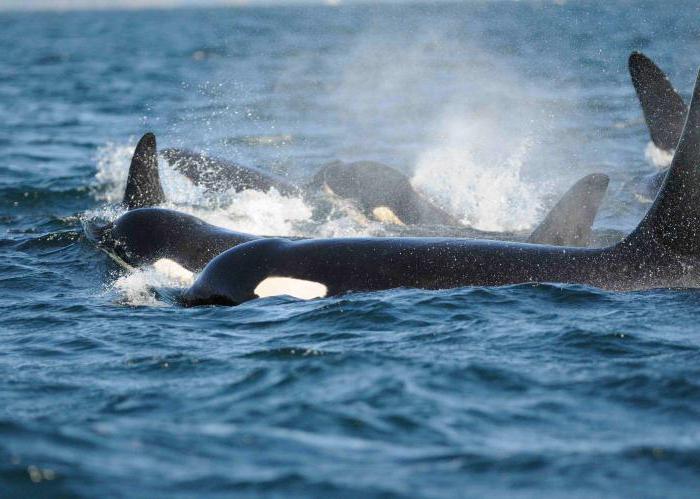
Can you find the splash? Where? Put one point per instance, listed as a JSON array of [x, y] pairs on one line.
[[462, 115], [136, 287], [657, 157], [256, 212], [477, 175]]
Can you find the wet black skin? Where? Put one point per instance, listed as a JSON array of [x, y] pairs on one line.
[[368, 183], [221, 175], [663, 108], [664, 113], [372, 185], [144, 236], [663, 251], [371, 264]]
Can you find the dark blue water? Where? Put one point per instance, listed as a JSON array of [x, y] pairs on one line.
[[494, 107]]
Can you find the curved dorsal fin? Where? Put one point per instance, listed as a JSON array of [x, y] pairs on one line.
[[674, 219], [143, 188], [664, 110], [569, 222]]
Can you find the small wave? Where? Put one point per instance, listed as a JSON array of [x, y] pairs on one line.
[[136, 288], [287, 353], [260, 140]]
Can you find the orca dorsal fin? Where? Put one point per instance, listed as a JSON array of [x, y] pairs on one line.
[[569, 222], [663, 108], [674, 219], [143, 188]]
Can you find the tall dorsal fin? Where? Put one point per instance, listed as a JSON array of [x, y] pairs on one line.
[[569, 222], [143, 188], [664, 110], [674, 219]]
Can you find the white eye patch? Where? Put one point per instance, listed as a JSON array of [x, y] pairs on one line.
[[298, 288], [385, 215]]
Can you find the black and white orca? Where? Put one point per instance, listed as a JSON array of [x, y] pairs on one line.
[[663, 251], [146, 234]]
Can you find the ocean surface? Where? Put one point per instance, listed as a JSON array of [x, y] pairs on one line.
[[494, 108]]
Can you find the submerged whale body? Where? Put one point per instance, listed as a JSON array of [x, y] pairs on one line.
[[385, 194], [221, 175], [663, 251], [381, 192]]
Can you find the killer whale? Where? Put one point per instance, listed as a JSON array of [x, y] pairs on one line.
[[217, 174], [145, 234], [664, 113], [570, 221], [663, 251], [380, 191], [386, 194]]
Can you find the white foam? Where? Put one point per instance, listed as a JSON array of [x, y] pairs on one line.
[[657, 157], [248, 211], [476, 173], [136, 286]]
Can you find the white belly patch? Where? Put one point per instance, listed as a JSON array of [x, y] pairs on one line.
[[385, 215], [298, 288]]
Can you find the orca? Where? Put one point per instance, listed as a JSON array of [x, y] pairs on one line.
[[146, 234], [380, 191], [142, 236], [220, 175], [663, 251], [385, 194], [570, 221], [664, 113]]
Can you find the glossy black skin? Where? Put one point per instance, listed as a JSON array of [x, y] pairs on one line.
[[663, 251], [143, 187], [664, 113], [370, 264], [663, 108], [221, 175], [367, 183], [372, 185], [144, 236]]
